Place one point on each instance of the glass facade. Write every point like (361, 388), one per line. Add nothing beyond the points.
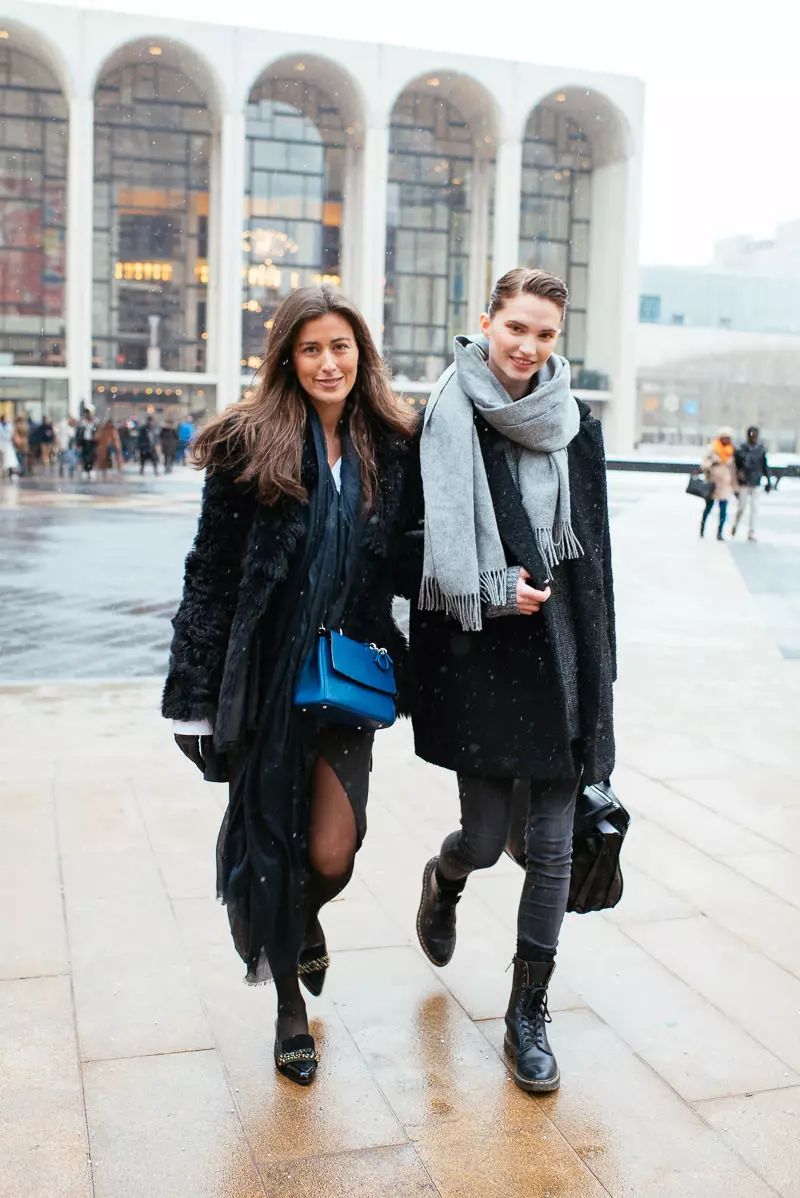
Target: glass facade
(33, 397)
(555, 212)
(124, 401)
(427, 234)
(294, 197)
(151, 209)
(33, 194)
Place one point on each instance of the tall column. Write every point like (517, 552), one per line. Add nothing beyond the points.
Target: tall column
(80, 189)
(478, 240)
(227, 329)
(508, 185)
(613, 294)
(351, 219)
(372, 251)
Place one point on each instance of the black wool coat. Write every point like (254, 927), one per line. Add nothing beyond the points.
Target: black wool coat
(241, 554)
(491, 703)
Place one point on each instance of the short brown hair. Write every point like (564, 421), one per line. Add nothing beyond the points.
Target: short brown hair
(525, 280)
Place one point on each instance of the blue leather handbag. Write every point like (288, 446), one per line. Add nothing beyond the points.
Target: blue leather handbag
(347, 682)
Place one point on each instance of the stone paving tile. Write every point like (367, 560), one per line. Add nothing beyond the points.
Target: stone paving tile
(685, 1039)
(166, 1125)
(395, 1172)
(182, 822)
(347, 1110)
(750, 912)
(356, 920)
(762, 1128)
(32, 933)
(758, 995)
(43, 1147)
(777, 872)
(706, 830)
(645, 899)
(603, 1121)
(134, 992)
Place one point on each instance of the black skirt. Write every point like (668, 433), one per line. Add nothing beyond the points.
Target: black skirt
(262, 875)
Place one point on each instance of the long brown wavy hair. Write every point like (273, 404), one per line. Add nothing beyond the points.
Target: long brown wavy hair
(262, 438)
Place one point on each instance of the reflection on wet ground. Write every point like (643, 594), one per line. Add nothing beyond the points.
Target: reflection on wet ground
(91, 572)
(135, 1064)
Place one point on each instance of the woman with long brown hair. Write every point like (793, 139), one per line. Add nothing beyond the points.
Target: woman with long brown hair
(304, 505)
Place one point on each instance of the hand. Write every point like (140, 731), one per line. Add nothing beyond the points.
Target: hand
(191, 746)
(529, 600)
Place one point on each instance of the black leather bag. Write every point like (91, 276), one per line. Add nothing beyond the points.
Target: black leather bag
(601, 823)
(701, 487)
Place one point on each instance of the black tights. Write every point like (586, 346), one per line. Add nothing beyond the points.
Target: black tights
(332, 843)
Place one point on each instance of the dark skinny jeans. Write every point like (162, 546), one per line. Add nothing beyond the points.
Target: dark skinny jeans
(486, 808)
(723, 514)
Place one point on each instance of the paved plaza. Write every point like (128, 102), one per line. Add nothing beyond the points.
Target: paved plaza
(135, 1064)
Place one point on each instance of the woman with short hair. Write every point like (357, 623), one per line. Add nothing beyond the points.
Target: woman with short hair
(512, 635)
(303, 504)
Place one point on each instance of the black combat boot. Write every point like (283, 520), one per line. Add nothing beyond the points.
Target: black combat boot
(436, 918)
(535, 1067)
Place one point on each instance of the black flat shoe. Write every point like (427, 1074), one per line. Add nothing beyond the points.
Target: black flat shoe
(436, 917)
(314, 960)
(296, 1058)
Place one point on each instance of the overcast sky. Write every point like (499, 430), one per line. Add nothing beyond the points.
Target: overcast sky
(723, 87)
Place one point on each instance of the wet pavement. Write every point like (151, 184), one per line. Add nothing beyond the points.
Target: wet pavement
(91, 572)
(135, 1064)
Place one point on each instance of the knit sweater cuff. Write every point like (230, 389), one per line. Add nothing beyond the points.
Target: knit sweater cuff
(510, 607)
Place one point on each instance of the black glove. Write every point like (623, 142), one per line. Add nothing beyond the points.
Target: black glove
(200, 750)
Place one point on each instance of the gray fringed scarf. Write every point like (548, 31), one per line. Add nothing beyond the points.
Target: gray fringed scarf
(465, 564)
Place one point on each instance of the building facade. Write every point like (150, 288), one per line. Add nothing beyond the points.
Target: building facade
(720, 344)
(165, 184)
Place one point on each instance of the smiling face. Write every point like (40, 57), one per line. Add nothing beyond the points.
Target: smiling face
(325, 358)
(522, 335)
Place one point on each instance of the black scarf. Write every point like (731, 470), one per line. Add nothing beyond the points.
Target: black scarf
(262, 849)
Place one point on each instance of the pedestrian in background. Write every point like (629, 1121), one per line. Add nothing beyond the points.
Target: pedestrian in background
(169, 445)
(185, 436)
(108, 446)
(86, 442)
(48, 451)
(65, 438)
(146, 440)
(751, 466)
(304, 505)
(719, 469)
(22, 444)
(9, 462)
(512, 631)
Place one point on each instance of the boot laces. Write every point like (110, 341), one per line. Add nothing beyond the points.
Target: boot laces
(535, 1015)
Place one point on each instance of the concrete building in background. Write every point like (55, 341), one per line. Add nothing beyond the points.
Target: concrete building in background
(721, 344)
(164, 184)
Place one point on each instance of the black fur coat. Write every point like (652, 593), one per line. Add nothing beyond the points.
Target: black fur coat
(242, 550)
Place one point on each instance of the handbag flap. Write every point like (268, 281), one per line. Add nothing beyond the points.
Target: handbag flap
(363, 664)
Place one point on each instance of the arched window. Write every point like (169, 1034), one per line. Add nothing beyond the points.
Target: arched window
(33, 199)
(151, 209)
(294, 197)
(556, 211)
(427, 233)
